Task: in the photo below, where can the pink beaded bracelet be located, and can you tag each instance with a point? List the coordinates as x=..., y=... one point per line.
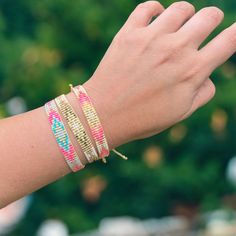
x=62, y=137
x=94, y=123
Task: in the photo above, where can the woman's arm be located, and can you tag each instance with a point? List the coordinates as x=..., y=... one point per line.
x=30, y=157
x=152, y=76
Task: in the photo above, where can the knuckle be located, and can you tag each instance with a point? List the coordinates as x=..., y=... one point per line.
x=232, y=35
x=192, y=71
x=180, y=42
x=212, y=89
x=129, y=38
x=140, y=5
x=157, y=5
x=177, y=47
x=184, y=6
x=143, y=5
x=232, y=39
x=148, y=4
x=170, y=53
x=214, y=13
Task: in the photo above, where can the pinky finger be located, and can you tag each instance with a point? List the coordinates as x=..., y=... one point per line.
x=205, y=93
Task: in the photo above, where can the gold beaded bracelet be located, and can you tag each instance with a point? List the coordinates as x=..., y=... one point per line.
x=77, y=128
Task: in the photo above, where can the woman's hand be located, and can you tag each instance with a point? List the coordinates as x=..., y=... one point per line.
x=154, y=74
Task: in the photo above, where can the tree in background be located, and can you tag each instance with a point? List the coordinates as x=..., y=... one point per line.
x=45, y=45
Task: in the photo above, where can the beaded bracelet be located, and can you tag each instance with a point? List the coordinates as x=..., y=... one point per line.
x=62, y=137
x=94, y=123
x=77, y=128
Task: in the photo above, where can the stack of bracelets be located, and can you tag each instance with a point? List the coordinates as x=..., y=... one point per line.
x=60, y=107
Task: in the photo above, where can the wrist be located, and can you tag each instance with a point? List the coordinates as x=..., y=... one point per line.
x=106, y=110
x=105, y=105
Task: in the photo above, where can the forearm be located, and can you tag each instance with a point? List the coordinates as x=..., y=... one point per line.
x=30, y=157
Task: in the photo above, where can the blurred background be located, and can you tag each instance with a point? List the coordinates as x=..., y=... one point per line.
x=181, y=182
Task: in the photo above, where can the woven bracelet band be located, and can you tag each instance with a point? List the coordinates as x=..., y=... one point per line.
x=77, y=128
x=94, y=123
x=62, y=137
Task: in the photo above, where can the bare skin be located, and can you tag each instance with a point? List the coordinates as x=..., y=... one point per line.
x=152, y=76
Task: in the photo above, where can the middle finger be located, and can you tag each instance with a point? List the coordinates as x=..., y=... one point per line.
x=198, y=28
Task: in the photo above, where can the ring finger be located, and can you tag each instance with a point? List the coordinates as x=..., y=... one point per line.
x=199, y=27
x=173, y=17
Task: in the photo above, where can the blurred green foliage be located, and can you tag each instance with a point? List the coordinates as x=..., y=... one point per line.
x=44, y=46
